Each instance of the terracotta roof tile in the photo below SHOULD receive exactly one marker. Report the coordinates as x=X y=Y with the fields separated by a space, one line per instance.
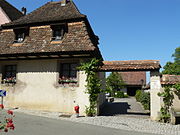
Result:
x=134 y=65
x=133 y=78
x=39 y=41
x=170 y=79
x=79 y=36
x=52 y=11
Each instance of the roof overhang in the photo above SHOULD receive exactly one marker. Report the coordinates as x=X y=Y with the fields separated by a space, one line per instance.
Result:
x=48 y=55
x=40 y=23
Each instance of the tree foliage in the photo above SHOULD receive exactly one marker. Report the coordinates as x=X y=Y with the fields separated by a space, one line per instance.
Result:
x=173 y=68
x=114 y=82
x=176 y=55
x=168 y=97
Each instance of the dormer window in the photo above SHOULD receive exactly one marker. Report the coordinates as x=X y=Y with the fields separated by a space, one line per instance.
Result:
x=58 y=32
x=20 y=35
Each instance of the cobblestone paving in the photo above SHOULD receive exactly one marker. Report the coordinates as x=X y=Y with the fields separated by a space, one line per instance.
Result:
x=131 y=124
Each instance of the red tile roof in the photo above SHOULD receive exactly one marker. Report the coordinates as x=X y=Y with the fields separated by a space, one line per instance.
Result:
x=78 y=37
x=170 y=79
x=50 y=12
x=131 y=65
x=133 y=78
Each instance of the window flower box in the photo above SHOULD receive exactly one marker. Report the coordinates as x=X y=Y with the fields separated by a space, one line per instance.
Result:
x=64 y=80
x=11 y=80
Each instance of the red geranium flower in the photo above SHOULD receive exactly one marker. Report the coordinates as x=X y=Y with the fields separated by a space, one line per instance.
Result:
x=10 y=112
x=10 y=125
x=9 y=120
x=1 y=106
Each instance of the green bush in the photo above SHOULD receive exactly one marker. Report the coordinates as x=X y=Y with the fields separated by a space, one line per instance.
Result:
x=138 y=95
x=120 y=94
x=90 y=111
x=143 y=98
x=126 y=95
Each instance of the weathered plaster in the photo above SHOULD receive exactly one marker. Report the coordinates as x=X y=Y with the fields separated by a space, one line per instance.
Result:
x=37 y=88
x=156 y=101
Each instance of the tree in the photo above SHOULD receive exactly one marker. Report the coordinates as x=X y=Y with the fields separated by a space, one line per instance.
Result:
x=114 y=82
x=173 y=68
x=176 y=55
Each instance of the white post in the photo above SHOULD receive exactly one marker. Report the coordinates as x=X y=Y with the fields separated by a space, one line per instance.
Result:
x=155 y=88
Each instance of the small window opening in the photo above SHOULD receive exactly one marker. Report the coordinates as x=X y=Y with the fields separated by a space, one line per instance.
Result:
x=58 y=32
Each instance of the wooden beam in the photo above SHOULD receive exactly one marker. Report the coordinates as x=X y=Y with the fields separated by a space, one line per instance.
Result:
x=65 y=55
x=32 y=56
x=43 y=56
x=54 y=56
x=81 y=55
x=3 y=58
x=22 y=57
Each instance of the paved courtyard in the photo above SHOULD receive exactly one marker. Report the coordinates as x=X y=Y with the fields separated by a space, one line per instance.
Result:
x=125 y=106
x=132 y=118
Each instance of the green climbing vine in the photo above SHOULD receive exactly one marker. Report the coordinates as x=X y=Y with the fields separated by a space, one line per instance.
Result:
x=177 y=87
x=93 y=84
x=168 y=97
x=168 y=100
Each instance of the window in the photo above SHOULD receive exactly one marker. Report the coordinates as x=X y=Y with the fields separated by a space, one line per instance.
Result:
x=68 y=73
x=58 y=32
x=19 y=37
x=9 y=75
x=20 y=34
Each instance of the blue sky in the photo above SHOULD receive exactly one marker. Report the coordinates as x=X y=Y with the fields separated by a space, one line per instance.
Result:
x=129 y=29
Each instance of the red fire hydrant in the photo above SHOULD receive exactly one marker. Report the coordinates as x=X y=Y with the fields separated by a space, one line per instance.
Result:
x=76 y=109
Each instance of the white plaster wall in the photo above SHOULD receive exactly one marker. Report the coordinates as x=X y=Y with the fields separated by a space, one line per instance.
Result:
x=3 y=17
x=156 y=101
x=37 y=88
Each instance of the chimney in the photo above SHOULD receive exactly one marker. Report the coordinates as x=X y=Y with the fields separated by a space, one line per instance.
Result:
x=24 y=10
x=64 y=2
